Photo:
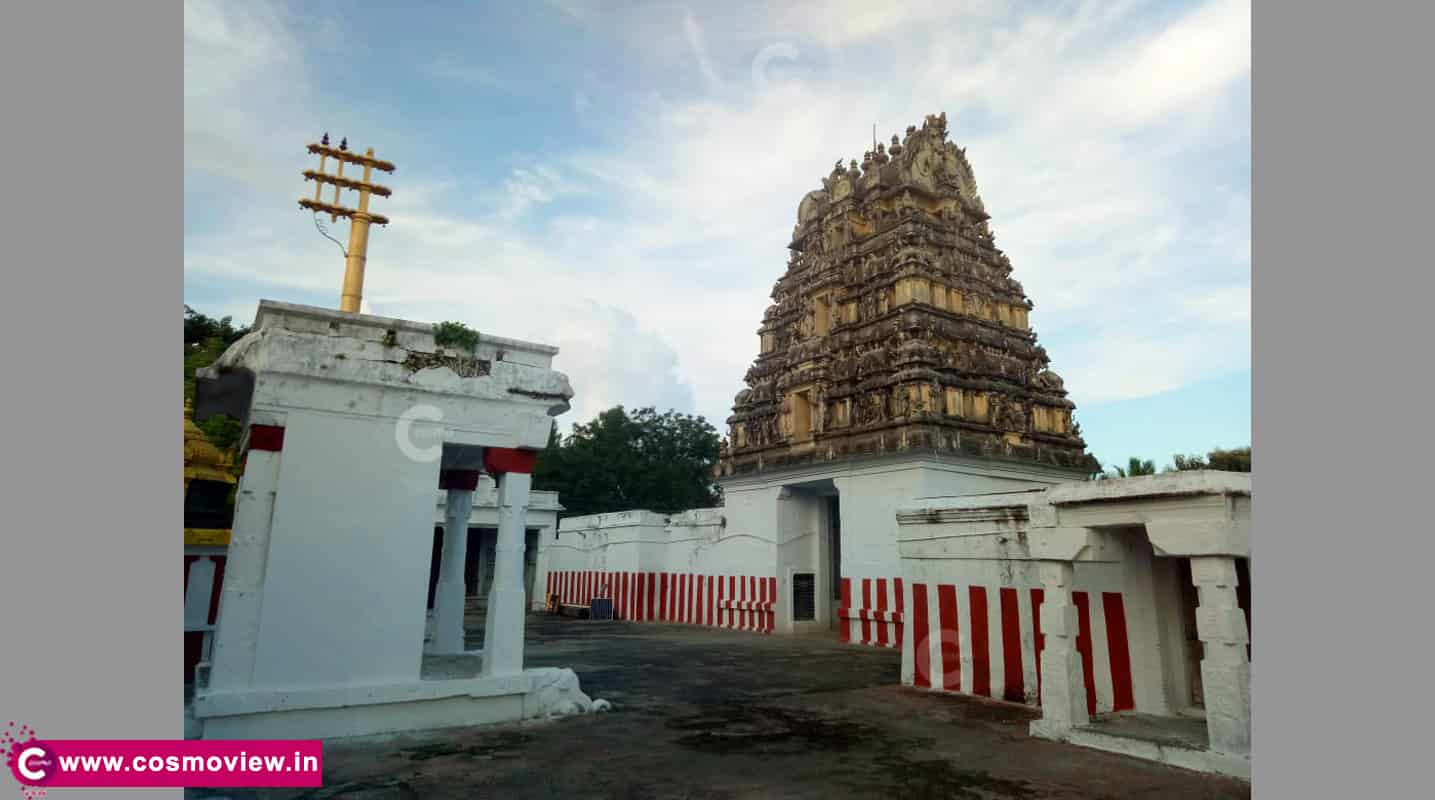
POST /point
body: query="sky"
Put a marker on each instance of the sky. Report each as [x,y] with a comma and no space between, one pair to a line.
[621,179]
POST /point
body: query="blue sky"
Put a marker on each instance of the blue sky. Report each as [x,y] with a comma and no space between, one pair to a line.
[620,179]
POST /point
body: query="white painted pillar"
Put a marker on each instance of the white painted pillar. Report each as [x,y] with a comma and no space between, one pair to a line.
[197,594]
[539,596]
[451,593]
[198,591]
[503,625]
[236,635]
[1063,687]
[1225,669]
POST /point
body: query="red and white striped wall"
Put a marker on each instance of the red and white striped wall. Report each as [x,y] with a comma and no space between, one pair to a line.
[739,602]
[871,611]
[987,641]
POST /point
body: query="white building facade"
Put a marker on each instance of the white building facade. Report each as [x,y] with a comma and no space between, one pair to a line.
[204,561]
[787,551]
[352,423]
[1121,608]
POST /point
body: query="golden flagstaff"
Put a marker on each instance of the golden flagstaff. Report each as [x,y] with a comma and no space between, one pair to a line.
[359,218]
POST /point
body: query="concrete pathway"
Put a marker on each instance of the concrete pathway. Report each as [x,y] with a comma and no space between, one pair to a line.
[700,713]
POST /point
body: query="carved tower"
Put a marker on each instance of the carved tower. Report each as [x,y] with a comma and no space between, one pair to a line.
[898,327]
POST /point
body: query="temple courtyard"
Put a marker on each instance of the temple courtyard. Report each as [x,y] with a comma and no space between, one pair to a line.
[709,713]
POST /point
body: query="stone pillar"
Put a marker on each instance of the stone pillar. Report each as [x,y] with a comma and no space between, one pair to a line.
[1225,668]
[1063,688]
[236,635]
[451,592]
[197,594]
[503,625]
[540,573]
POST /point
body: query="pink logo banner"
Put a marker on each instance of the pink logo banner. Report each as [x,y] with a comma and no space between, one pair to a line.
[158,763]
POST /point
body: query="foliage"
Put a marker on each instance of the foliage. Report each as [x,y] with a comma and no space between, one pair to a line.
[1237,459]
[1182,463]
[456,335]
[222,432]
[199,329]
[626,461]
[1134,467]
[547,472]
[197,356]
[205,340]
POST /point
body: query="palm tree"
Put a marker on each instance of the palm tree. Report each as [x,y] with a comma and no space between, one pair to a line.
[1135,467]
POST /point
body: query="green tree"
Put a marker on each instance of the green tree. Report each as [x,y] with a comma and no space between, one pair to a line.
[1134,467]
[548,471]
[199,329]
[639,460]
[1236,459]
[205,340]
[1185,463]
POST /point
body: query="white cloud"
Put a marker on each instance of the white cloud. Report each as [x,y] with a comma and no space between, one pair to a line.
[694,34]
[630,366]
[526,188]
[241,102]
[452,68]
[1081,122]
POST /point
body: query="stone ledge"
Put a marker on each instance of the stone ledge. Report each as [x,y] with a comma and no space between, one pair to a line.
[613,519]
[1170,484]
[1016,503]
[272,312]
[1168,753]
[878,463]
[234,703]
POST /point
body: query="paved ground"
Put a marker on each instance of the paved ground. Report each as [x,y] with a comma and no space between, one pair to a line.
[700,713]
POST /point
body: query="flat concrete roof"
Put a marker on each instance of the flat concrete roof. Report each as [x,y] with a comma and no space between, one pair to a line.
[1166,484]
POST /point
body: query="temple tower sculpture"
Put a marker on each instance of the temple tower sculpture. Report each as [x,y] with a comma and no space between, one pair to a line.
[898,327]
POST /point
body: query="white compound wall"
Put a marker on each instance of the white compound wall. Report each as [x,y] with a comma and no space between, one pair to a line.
[735,566]
[687,568]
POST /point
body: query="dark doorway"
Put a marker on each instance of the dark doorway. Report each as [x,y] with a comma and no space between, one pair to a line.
[471,562]
[530,562]
[804,597]
[434,563]
[834,534]
[1243,596]
[1194,650]
[472,558]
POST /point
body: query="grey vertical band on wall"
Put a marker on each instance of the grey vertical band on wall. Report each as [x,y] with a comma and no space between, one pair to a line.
[91,597]
[1341,89]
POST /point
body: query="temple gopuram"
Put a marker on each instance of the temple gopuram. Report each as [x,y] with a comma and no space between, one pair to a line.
[898,327]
